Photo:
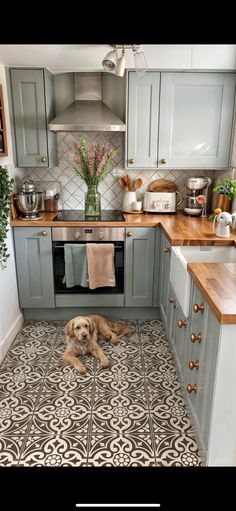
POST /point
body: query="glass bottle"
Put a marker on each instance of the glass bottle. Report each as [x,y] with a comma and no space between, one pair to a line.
[92,201]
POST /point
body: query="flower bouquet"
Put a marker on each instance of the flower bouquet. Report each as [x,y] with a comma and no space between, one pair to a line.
[91,164]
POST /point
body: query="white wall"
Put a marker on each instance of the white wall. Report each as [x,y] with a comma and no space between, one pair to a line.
[10,314]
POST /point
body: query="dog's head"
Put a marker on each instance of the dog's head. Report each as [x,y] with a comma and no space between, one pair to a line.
[80,328]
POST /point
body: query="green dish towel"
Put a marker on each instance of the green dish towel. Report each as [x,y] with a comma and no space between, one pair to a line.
[76,270]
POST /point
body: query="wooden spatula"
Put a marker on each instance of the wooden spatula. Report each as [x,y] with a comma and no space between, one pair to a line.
[137,183]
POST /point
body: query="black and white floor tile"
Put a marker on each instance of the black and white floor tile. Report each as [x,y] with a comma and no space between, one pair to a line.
[130,414]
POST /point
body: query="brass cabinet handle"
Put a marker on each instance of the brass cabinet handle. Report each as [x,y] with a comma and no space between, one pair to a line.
[196,337]
[163,160]
[166,250]
[131,160]
[192,388]
[171,299]
[182,322]
[44,233]
[193,365]
[129,233]
[44,159]
[197,307]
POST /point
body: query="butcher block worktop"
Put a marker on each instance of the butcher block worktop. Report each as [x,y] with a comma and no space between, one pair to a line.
[217,283]
[179,228]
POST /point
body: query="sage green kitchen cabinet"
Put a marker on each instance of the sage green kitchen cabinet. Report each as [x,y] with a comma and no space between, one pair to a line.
[177,328]
[188,125]
[139,266]
[32,100]
[143,107]
[33,250]
[165,257]
[196,116]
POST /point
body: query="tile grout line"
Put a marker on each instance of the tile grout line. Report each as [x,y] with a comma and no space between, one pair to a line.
[90,426]
[26,435]
[147,394]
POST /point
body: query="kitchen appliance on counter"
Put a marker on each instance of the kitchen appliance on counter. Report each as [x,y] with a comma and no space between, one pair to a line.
[77,215]
[198,186]
[29,201]
[161,202]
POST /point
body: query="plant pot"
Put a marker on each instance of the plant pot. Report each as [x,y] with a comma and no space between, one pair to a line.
[223,202]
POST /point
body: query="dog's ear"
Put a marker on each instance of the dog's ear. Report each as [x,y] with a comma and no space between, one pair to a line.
[69,328]
[91,326]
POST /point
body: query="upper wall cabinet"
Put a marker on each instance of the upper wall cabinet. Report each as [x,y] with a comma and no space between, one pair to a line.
[33,107]
[143,109]
[195,121]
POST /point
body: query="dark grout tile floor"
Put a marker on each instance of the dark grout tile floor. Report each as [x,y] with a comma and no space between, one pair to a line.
[130,414]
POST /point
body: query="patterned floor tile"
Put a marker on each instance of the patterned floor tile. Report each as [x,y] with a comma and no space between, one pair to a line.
[129,414]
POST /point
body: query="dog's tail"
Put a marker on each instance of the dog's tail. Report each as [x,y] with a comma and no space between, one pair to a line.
[119,328]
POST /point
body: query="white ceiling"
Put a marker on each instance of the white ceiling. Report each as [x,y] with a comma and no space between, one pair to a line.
[58,58]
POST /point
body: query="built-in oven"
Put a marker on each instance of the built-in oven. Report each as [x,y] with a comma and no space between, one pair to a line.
[83,235]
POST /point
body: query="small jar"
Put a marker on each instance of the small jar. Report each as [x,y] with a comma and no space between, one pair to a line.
[50,201]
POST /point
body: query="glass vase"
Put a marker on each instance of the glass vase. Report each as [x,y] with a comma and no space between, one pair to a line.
[92,202]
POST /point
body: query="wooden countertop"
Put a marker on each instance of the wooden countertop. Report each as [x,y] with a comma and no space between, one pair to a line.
[180,229]
[217,283]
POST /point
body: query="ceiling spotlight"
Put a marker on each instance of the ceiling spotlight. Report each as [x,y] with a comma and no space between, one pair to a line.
[109,61]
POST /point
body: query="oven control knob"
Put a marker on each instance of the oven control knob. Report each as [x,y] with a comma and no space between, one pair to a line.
[76,236]
[100,236]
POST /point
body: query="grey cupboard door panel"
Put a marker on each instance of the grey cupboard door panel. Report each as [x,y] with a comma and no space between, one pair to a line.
[139,267]
[34,267]
[143,109]
[29,110]
[196,115]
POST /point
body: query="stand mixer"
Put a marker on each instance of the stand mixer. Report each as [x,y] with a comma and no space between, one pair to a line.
[197,186]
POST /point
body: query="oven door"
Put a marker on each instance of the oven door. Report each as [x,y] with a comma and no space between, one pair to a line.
[59,271]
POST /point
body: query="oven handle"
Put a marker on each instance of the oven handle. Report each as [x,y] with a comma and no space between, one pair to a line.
[62,246]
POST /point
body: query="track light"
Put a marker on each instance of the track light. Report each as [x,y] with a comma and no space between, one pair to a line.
[111,62]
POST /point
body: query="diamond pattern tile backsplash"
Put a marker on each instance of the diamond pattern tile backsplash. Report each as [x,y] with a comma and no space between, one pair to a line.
[73,188]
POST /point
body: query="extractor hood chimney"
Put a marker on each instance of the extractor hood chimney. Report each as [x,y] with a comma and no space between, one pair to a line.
[88,112]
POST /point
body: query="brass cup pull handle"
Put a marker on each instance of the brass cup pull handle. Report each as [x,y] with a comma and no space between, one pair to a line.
[163,160]
[193,365]
[131,160]
[166,250]
[192,388]
[196,337]
[44,159]
[171,299]
[182,322]
[44,233]
[197,307]
[129,234]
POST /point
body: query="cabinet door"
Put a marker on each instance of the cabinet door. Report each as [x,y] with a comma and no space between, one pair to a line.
[181,336]
[165,255]
[196,115]
[33,249]
[171,315]
[30,119]
[143,107]
[139,266]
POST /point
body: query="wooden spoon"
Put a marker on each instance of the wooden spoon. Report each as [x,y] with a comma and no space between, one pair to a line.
[128,182]
[122,183]
[137,183]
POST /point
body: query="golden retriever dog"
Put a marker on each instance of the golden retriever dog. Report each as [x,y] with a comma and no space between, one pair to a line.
[82,334]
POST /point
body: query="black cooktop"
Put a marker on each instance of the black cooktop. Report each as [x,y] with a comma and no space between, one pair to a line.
[77,215]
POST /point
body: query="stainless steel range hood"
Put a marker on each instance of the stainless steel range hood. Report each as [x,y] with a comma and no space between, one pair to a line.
[88,112]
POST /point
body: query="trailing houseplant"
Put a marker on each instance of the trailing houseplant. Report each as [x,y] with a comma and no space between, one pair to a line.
[6,186]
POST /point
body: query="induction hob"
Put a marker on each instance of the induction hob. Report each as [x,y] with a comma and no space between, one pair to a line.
[77,215]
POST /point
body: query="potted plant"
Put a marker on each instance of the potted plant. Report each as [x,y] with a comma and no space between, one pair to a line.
[6,185]
[226,190]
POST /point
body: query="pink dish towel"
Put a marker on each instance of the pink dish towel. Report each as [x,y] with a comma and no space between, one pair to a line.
[101,267]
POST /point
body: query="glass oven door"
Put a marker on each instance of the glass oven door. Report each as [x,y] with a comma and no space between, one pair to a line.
[59,271]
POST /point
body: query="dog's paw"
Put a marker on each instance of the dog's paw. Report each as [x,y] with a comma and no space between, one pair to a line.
[114,339]
[81,369]
[105,362]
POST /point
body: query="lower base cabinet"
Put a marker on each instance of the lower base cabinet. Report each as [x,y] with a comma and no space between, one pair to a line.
[139,266]
[33,250]
[206,354]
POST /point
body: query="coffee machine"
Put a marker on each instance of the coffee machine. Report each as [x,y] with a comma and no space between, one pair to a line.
[198,186]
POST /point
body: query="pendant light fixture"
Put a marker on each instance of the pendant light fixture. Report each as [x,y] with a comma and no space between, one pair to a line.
[112,63]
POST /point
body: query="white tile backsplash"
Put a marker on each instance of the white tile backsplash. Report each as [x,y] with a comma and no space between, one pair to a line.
[73,188]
